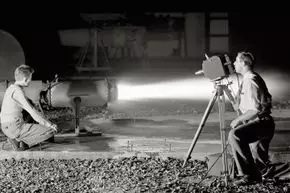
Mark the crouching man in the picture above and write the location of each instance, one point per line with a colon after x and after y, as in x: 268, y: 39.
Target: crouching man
x: 20, y: 134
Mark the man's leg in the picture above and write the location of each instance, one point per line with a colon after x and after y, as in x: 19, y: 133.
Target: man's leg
x: 240, y: 138
x: 11, y: 131
x: 33, y: 134
x: 241, y: 151
x: 260, y: 149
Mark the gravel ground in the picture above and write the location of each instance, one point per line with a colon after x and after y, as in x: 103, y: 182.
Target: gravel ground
x: 143, y: 174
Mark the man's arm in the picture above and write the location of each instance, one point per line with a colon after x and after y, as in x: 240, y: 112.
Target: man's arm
x: 19, y: 96
x: 252, y: 89
x: 248, y: 115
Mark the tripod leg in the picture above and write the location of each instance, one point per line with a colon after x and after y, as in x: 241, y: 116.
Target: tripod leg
x: 204, y: 118
x: 221, y: 107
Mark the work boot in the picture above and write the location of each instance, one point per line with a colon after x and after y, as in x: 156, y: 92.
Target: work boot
x: 247, y: 180
x: 16, y: 145
x: 268, y: 172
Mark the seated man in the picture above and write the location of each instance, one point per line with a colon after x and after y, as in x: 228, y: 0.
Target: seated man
x: 20, y: 134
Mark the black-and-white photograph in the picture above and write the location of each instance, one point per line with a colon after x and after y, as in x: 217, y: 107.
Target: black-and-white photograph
x: 145, y: 102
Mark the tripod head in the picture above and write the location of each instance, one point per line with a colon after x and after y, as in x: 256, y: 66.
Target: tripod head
x: 219, y: 83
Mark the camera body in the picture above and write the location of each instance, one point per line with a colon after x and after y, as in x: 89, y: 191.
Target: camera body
x: 217, y: 67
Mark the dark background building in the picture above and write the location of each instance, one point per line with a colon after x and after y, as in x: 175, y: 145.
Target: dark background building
x: 266, y: 35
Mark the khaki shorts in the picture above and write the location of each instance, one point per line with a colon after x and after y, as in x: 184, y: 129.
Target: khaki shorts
x: 31, y: 134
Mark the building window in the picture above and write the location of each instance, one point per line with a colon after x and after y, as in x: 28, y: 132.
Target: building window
x: 218, y: 33
x: 219, y: 27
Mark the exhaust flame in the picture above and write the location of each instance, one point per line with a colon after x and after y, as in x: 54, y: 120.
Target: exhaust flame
x: 179, y: 89
x: 197, y: 88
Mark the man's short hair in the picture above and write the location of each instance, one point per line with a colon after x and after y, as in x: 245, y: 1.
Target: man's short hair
x: 23, y: 71
x: 248, y: 58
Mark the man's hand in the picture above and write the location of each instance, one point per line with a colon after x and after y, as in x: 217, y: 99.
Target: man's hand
x: 235, y: 123
x: 54, y: 127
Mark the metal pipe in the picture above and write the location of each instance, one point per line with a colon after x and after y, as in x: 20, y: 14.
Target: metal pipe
x: 77, y: 102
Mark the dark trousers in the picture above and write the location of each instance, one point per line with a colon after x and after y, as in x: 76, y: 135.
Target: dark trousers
x: 250, y: 145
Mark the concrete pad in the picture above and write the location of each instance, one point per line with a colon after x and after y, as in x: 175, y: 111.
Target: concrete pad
x: 163, y: 136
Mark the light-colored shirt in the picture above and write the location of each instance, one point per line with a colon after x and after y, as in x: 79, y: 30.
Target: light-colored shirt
x: 254, y: 94
x: 14, y: 101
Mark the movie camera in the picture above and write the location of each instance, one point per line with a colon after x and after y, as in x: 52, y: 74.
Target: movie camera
x: 216, y: 67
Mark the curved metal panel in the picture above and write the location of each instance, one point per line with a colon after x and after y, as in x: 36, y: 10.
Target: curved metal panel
x: 11, y: 55
x: 90, y: 92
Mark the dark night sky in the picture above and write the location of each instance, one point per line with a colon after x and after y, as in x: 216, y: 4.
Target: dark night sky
x: 267, y: 35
